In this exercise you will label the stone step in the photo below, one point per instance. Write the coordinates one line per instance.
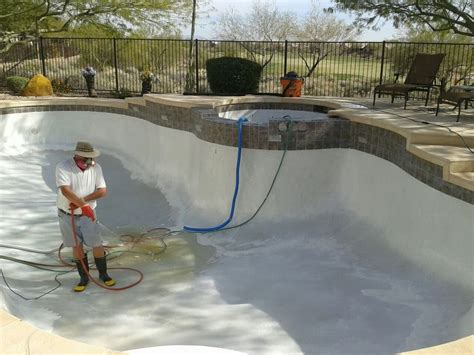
(463, 179)
(456, 159)
(443, 136)
(135, 100)
(457, 162)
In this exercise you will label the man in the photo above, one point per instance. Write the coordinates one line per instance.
(80, 183)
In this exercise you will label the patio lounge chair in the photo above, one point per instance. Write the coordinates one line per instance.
(420, 77)
(456, 96)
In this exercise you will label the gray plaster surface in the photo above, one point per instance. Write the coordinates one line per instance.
(288, 287)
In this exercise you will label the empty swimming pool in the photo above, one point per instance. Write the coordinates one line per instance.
(349, 254)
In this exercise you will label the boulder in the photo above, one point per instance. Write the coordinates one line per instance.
(38, 85)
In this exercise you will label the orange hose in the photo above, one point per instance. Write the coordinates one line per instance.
(76, 242)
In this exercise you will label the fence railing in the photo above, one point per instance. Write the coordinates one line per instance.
(349, 69)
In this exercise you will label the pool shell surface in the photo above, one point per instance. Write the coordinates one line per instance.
(353, 169)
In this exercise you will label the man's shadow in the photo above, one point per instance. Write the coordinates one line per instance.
(128, 202)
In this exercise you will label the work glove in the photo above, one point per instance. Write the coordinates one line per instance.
(86, 210)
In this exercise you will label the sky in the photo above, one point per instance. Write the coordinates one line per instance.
(299, 7)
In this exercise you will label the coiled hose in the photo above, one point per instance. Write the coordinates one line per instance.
(85, 267)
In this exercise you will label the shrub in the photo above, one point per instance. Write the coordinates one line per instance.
(17, 83)
(122, 93)
(61, 86)
(231, 75)
(3, 81)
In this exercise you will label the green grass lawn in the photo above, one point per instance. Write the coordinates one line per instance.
(343, 68)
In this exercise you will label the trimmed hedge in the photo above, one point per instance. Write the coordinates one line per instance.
(231, 75)
(16, 83)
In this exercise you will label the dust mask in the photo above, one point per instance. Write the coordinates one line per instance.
(84, 164)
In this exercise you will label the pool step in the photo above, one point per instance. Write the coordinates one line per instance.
(454, 136)
(465, 179)
(416, 129)
(135, 100)
(457, 162)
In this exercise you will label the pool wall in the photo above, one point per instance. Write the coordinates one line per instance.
(364, 133)
(425, 227)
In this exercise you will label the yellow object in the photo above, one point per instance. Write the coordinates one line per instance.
(79, 288)
(38, 85)
(110, 282)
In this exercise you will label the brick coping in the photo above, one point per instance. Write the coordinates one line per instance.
(433, 154)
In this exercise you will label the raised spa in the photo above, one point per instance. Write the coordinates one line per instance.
(264, 115)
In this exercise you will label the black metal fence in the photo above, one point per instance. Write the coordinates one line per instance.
(347, 69)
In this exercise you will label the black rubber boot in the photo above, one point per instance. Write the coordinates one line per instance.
(81, 286)
(101, 264)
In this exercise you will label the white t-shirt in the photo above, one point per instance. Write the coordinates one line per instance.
(82, 183)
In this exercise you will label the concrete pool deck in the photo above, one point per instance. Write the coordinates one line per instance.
(434, 144)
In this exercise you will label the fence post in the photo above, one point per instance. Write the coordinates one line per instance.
(115, 65)
(285, 65)
(43, 63)
(196, 55)
(381, 66)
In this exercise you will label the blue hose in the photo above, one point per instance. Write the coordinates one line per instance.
(240, 122)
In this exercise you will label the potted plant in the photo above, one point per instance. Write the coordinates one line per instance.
(146, 77)
(89, 74)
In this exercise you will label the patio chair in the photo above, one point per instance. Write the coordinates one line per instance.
(456, 96)
(420, 77)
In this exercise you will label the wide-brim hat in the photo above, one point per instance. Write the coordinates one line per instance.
(86, 150)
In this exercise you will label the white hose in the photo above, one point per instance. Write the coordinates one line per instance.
(30, 250)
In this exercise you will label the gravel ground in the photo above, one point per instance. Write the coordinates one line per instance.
(14, 97)
(5, 96)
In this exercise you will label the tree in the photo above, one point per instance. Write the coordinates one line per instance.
(438, 15)
(264, 22)
(24, 20)
(319, 26)
(189, 75)
(459, 60)
(422, 34)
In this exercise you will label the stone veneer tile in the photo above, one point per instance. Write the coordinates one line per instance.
(274, 145)
(309, 144)
(321, 134)
(263, 137)
(300, 140)
(253, 137)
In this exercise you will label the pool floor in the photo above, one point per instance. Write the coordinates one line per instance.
(286, 287)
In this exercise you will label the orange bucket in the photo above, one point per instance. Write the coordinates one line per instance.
(292, 87)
